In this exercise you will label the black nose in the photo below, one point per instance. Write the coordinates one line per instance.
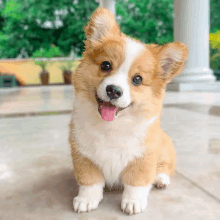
(113, 92)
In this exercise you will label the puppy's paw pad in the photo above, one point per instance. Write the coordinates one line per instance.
(162, 181)
(133, 206)
(81, 204)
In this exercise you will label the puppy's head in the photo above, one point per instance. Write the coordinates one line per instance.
(121, 75)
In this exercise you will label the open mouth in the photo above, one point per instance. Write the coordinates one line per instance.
(107, 110)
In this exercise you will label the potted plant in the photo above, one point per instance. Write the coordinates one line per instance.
(67, 73)
(44, 74)
(43, 55)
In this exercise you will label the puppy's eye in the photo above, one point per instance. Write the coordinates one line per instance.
(137, 80)
(106, 66)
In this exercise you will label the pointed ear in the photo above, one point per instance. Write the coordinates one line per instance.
(101, 24)
(171, 58)
(155, 48)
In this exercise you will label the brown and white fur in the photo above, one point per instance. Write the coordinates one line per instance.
(132, 150)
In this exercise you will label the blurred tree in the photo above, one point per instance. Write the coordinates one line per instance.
(3, 37)
(214, 15)
(35, 24)
(151, 21)
(38, 24)
(215, 37)
(2, 5)
(11, 15)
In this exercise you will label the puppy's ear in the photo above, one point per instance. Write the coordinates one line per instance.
(101, 24)
(155, 48)
(171, 58)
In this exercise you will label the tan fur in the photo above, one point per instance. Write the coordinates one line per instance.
(157, 65)
(85, 172)
(159, 157)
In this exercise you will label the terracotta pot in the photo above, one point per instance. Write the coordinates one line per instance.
(67, 76)
(44, 77)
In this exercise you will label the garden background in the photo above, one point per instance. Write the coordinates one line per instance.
(51, 28)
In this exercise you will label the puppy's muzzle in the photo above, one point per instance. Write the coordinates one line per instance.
(114, 92)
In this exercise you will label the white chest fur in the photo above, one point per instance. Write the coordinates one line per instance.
(109, 145)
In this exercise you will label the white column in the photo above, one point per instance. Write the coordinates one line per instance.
(109, 4)
(191, 26)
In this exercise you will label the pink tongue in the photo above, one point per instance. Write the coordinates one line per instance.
(108, 111)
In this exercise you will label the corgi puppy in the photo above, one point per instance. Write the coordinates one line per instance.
(115, 132)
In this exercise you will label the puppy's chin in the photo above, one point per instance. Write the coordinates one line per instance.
(107, 110)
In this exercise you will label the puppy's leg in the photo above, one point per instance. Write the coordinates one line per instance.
(166, 163)
(89, 178)
(134, 198)
(91, 185)
(88, 197)
(137, 180)
(162, 181)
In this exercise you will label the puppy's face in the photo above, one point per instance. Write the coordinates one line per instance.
(120, 75)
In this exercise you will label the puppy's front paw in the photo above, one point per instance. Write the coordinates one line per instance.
(133, 206)
(134, 199)
(81, 204)
(162, 181)
(88, 198)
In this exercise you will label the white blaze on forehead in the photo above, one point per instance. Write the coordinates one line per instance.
(120, 78)
(132, 50)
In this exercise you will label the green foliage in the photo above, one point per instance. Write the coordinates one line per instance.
(43, 53)
(53, 51)
(3, 38)
(23, 23)
(11, 10)
(68, 65)
(42, 64)
(215, 50)
(214, 15)
(215, 39)
(2, 20)
(148, 20)
(39, 53)
(26, 27)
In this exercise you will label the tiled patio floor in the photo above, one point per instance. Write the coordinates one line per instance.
(36, 177)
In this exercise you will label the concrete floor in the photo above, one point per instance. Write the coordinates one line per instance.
(36, 175)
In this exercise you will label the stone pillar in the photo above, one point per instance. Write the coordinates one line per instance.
(191, 26)
(109, 4)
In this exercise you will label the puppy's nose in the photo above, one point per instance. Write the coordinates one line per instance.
(113, 92)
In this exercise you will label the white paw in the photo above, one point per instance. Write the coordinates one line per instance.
(81, 204)
(162, 181)
(88, 198)
(133, 206)
(134, 199)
